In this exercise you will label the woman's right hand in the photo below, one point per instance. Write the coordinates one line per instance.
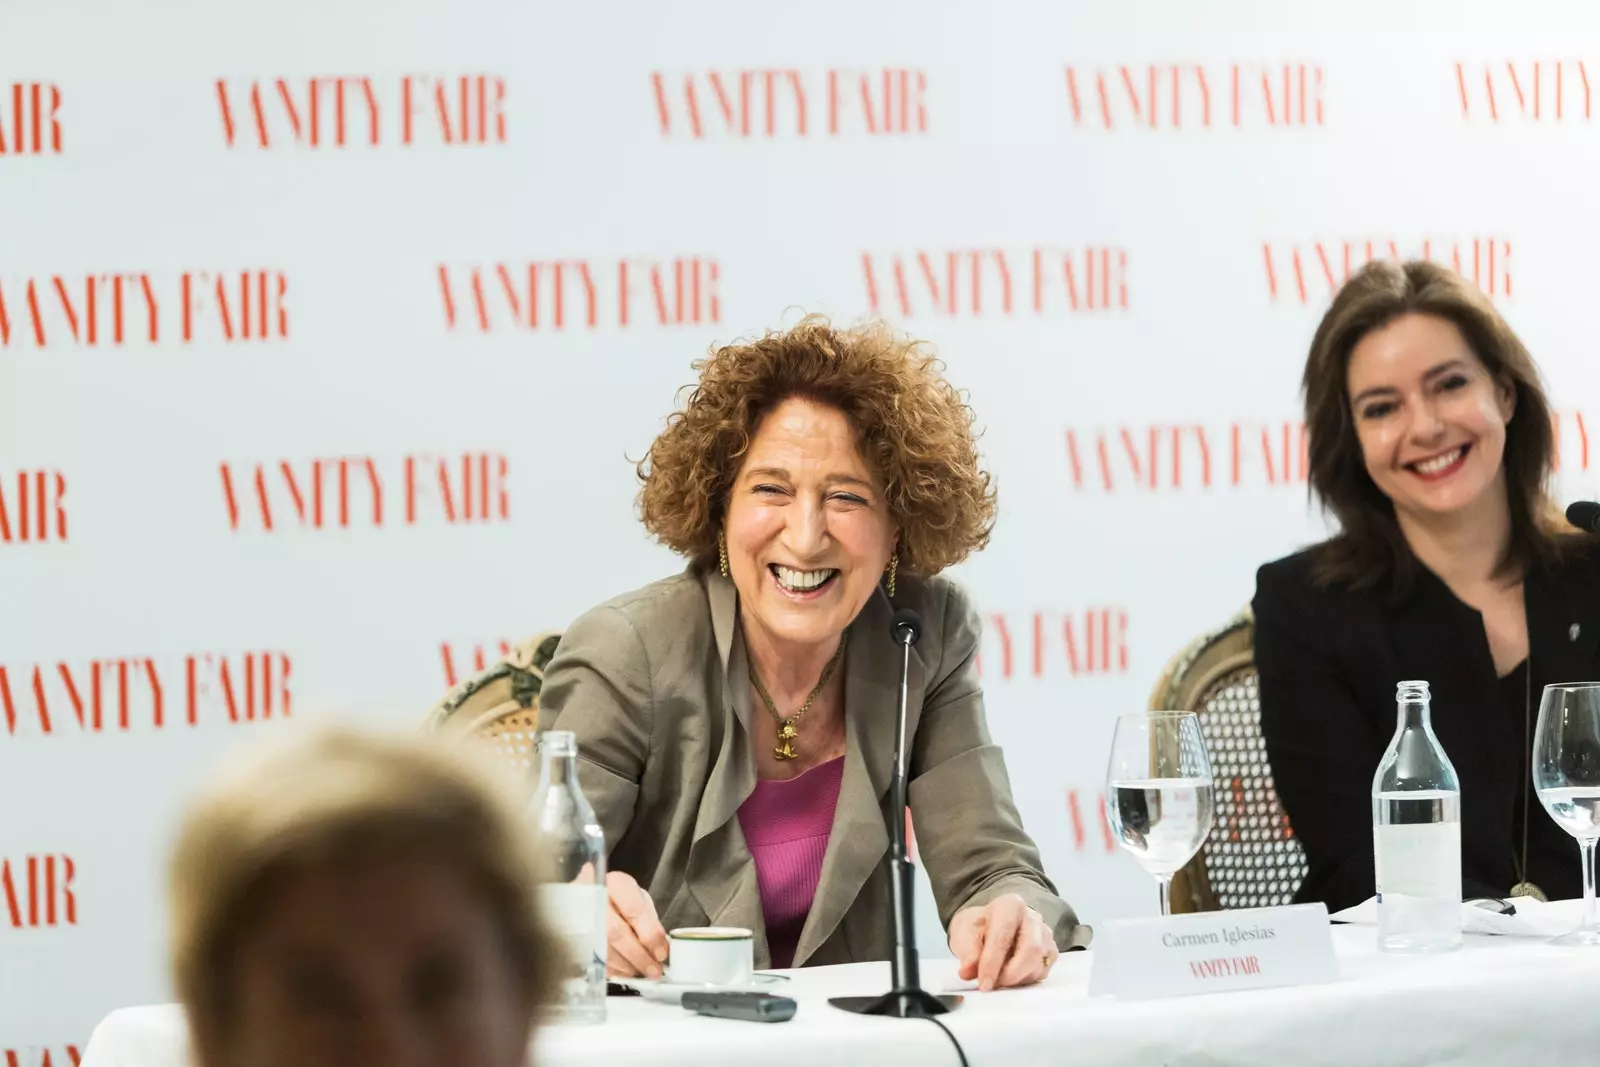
(636, 944)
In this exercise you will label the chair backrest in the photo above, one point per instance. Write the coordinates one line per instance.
(500, 704)
(1252, 858)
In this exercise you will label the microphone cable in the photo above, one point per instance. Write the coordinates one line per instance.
(934, 1019)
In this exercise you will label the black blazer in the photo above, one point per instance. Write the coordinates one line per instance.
(1329, 660)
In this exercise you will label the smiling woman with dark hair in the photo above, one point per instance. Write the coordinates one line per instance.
(1431, 445)
(736, 722)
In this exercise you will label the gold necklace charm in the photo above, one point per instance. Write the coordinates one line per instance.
(787, 734)
(1525, 888)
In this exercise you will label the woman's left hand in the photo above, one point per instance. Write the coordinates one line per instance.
(1002, 943)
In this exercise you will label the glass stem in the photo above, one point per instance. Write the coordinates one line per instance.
(1587, 846)
(1166, 889)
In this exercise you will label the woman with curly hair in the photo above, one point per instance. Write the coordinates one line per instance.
(736, 721)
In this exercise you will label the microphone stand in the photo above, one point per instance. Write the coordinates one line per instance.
(907, 999)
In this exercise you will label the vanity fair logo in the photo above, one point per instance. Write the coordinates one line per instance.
(31, 126)
(43, 1056)
(342, 112)
(32, 507)
(102, 696)
(1086, 642)
(989, 282)
(1192, 96)
(1179, 457)
(1524, 91)
(1571, 440)
(459, 664)
(771, 102)
(565, 294)
(1178, 955)
(1173, 457)
(346, 492)
(1091, 831)
(38, 891)
(1312, 272)
(94, 310)
(1222, 966)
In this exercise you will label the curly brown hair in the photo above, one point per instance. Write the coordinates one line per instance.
(913, 427)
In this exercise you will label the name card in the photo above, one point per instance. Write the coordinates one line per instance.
(1211, 952)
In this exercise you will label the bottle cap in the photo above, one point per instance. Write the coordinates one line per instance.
(558, 743)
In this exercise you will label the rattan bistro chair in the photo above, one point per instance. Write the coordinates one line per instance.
(500, 705)
(1251, 859)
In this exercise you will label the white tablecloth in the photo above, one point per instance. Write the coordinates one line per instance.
(1497, 1002)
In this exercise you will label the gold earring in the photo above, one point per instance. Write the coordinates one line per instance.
(722, 554)
(894, 565)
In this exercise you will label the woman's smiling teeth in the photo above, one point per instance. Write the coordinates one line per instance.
(801, 581)
(1438, 463)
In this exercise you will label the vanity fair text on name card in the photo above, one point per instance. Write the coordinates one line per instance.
(1213, 952)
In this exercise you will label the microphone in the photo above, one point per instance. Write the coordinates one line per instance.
(907, 1000)
(1585, 515)
(906, 626)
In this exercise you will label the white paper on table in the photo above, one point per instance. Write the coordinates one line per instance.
(1534, 918)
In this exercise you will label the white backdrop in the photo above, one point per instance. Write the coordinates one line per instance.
(1119, 224)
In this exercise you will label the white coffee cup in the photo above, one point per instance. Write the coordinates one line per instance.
(710, 955)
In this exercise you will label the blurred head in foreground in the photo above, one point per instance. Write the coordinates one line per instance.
(350, 899)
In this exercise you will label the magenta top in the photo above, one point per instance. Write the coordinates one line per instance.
(786, 826)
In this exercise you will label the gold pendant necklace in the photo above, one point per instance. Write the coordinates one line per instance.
(1525, 888)
(787, 734)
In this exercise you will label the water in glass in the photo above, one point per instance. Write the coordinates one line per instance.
(1159, 792)
(1566, 776)
(1162, 821)
(1575, 808)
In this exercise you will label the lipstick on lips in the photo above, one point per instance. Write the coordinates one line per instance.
(802, 585)
(1443, 465)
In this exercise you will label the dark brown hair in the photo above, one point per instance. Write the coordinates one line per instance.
(1369, 549)
(913, 427)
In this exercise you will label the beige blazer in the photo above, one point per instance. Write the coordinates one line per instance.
(652, 684)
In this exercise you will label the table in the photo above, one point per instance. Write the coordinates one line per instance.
(1497, 1002)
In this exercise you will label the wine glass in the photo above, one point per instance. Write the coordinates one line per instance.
(1159, 792)
(1566, 775)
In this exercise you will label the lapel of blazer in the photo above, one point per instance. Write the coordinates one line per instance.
(859, 840)
(721, 875)
(1438, 639)
(1563, 623)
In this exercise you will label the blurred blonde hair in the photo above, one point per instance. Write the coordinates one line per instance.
(338, 795)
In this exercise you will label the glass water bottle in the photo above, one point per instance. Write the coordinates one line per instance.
(574, 899)
(1416, 834)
